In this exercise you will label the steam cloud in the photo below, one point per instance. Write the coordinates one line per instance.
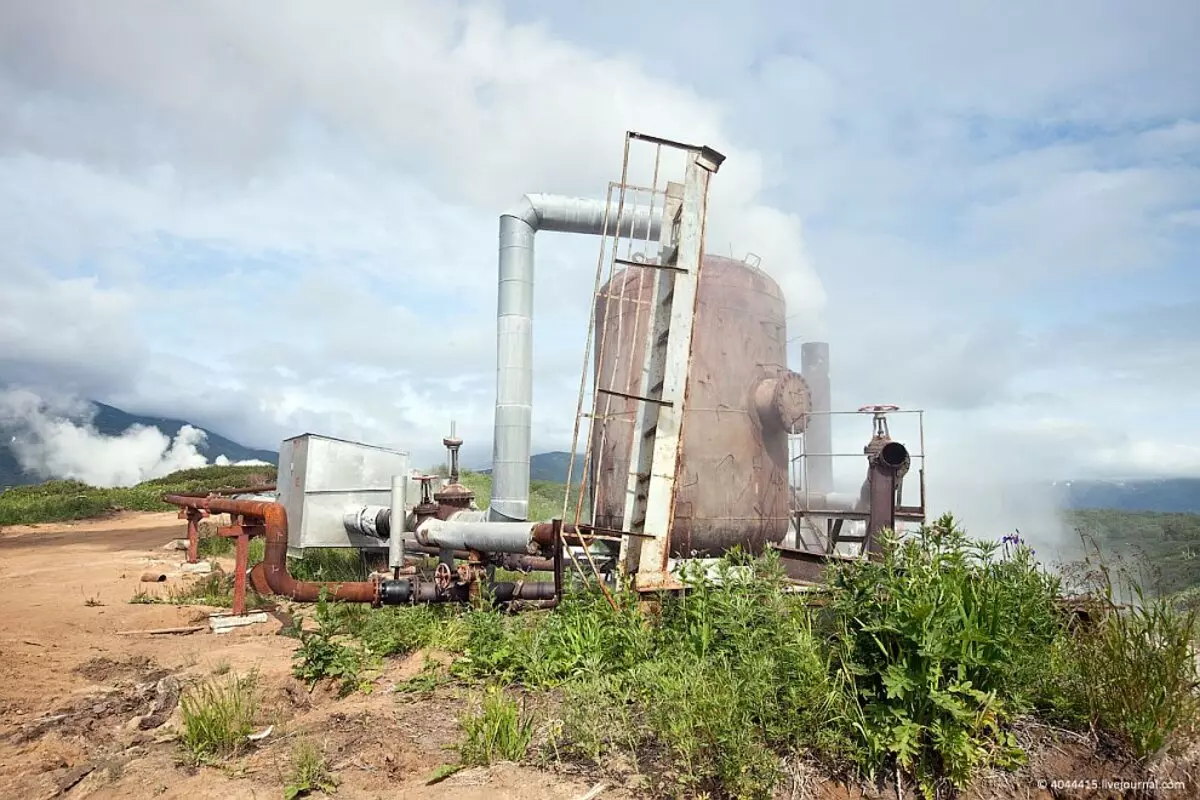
(54, 437)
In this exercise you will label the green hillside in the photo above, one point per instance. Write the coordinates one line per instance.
(59, 501)
(1168, 543)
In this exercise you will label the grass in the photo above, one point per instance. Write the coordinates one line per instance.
(217, 717)
(918, 664)
(61, 501)
(309, 773)
(1133, 672)
(214, 589)
(497, 729)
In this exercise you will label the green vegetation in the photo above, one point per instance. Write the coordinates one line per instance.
(1132, 673)
(545, 498)
(310, 772)
(61, 501)
(1167, 544)
(918, 664)
(351, 641)
(942, 644)
(218, 716)
(214, 589)
(497, 729)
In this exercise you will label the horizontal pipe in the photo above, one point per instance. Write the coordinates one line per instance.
(484, 537)
(831, 501)
(404, 592)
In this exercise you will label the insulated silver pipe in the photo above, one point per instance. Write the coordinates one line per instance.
(485, 537)
(818, 434)
(514, 326)
(396, 539)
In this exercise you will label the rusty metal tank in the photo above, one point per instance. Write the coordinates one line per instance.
(741, 402)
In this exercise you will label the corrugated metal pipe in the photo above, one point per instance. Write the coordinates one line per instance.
(514, 326)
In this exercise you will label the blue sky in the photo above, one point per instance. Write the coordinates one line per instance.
(274, 217)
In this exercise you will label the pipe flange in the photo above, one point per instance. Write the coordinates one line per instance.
(454, 494)
(793, 401)
(784, 401)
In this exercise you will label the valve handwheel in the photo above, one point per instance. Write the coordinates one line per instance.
(442, 576)
(881, 408)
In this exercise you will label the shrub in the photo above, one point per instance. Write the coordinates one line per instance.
(941, 643)
(727, 679)
(218, 716)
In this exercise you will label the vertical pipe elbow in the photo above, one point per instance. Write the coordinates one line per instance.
(514, 324)
(274, 570)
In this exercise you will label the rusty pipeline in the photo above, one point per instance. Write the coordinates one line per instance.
(886, 463)
(274, 570)
(272, 576)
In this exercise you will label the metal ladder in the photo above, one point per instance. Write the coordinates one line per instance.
(659, 401)
(658, 424)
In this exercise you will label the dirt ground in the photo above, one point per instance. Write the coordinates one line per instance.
(89, 711)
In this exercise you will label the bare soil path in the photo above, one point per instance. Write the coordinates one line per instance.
(87, 712)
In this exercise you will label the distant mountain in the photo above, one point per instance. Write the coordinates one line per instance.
(1168, 495)
(550, 467)
(111, 421)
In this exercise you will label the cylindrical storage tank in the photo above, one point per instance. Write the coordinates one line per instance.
(741, 401)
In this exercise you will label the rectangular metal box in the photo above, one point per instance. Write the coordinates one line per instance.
(321, 478)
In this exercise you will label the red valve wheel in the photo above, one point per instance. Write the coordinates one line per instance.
(442, 577)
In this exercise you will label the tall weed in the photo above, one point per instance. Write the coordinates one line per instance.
(941, 643)
(1133, 671)
(218, 715)
(498, 730)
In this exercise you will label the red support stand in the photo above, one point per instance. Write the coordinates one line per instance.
(241, 531)
(241, 561)
(193, 516)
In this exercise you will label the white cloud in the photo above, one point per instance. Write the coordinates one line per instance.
(56, 439)
(271, 218)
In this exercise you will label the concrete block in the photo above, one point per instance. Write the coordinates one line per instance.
(224, 623)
